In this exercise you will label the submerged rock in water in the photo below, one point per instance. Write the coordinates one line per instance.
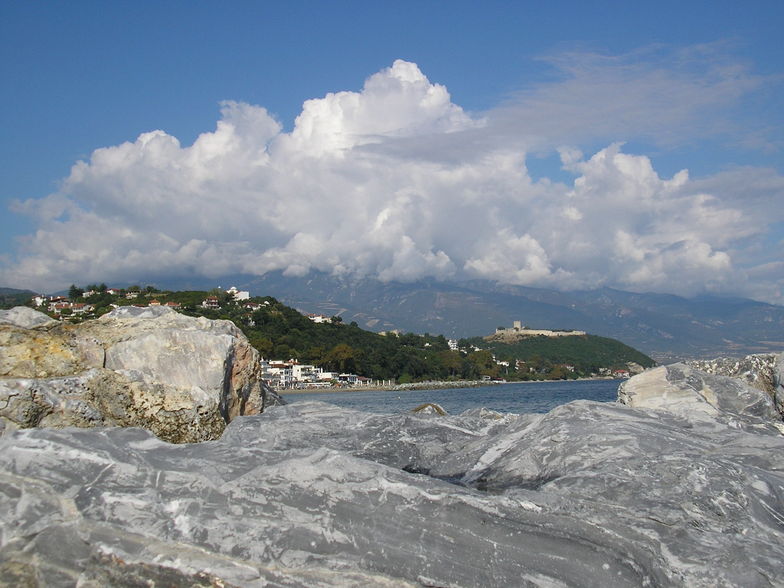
(309, 494)
(183, 378)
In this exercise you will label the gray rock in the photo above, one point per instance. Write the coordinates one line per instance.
(762, 370)
(756, 370)
(590, 494)
(180, 377)
(778, 383)
(695, 395)
(26, 318)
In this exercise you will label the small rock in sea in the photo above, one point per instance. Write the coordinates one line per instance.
(429, 408)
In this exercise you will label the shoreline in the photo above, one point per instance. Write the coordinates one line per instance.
(431, 385)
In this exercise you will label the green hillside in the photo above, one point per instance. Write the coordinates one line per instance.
(281, 332)
(586, 354)
(10, 297)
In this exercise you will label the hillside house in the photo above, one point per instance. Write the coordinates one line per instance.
(211, 302)
(238, 294)
(319, 318)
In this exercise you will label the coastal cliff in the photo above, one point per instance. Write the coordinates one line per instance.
(680, 486)
(182, 378)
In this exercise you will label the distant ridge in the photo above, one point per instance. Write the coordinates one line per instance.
(13, 297)
(664, 326)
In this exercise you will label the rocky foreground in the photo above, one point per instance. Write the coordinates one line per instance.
(682, 484)
(183, 378)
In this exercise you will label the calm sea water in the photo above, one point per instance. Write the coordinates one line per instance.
(518, 398)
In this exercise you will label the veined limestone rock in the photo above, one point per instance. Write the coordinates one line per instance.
(308, 494)
(764, 371)
(183, 378)
(691, 393)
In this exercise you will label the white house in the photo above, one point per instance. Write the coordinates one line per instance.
(319, 318)
(238, 294)
(277, 373)
(211, 302)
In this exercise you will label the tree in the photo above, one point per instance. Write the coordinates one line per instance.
(341, 358)
(482, 361)
(451, 362)
(263, 345)
(74, 292)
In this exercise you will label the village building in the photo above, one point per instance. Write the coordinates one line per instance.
(211, 302)
(238, 294)
(319, 318)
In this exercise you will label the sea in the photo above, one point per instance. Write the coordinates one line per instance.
(518, 398)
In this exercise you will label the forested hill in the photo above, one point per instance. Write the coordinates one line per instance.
(585, 353)
(281, 332)
(10, 297)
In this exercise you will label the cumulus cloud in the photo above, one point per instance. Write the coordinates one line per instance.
(398, 182)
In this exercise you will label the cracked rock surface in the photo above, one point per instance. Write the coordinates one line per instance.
(182, 378)
(309, 494)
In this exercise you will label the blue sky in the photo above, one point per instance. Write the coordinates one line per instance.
(509, 115)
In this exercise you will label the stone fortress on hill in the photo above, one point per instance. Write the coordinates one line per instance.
(519, 331)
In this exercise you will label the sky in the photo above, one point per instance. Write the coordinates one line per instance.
(568, 145)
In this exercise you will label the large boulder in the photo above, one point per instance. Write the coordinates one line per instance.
(761, 370)
(693, 394)
(308, 494)
(183, 378)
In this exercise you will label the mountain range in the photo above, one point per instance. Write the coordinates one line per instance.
(665, 327)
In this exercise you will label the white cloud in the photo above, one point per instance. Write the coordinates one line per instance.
(398, 182)
(668, 96)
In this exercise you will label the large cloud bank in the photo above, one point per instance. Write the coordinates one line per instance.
(398, 182)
